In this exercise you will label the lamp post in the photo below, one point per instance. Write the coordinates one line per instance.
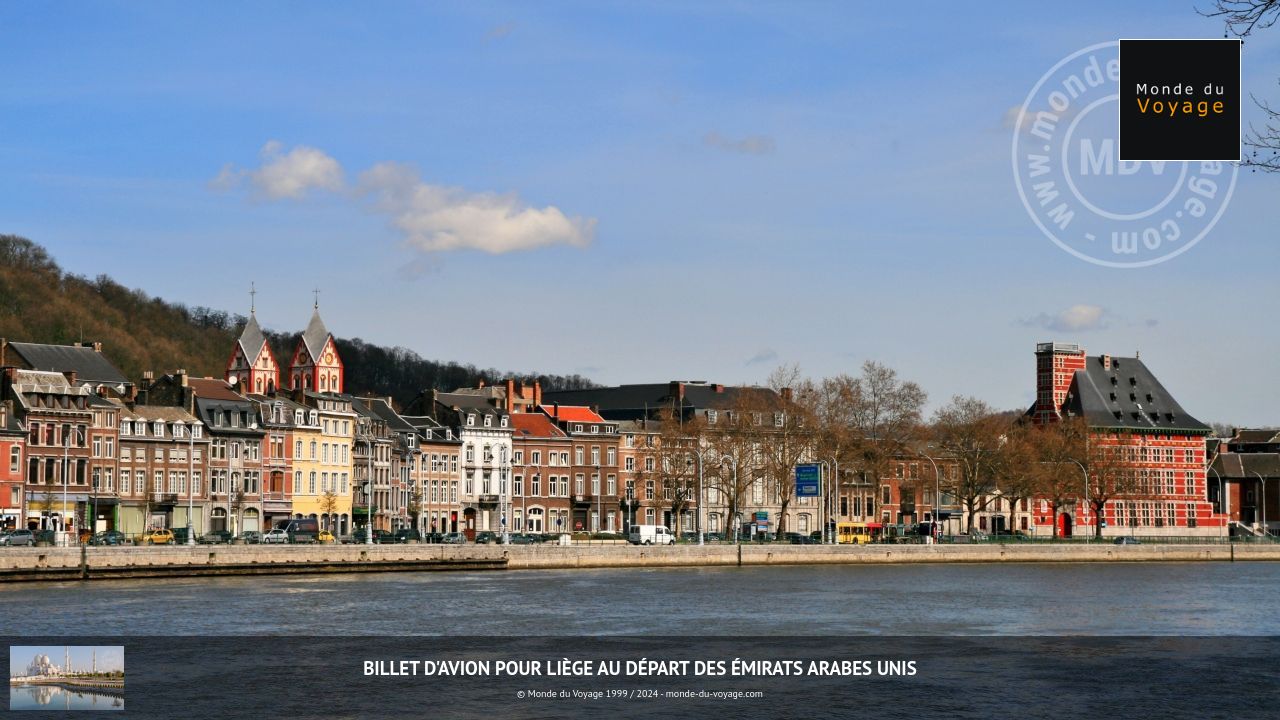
(191, 479)
(1084, 470)
(367, 486)
(1222, 497)
(936, 531)
(66, 467)
(701, 526)
(1263, 482)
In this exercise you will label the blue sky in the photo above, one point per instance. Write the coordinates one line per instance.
(110, 657)
(678, 190)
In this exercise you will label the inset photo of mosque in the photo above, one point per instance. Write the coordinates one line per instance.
(66, 677)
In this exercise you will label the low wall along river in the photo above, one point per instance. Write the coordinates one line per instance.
(117, 562)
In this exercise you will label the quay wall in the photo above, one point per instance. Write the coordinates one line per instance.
(122, 562)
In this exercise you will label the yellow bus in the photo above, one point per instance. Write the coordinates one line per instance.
(859, 533)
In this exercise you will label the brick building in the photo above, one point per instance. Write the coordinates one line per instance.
(540, 453)
(1162, 447)
(163, 465)
(12, 442)
(594, 493)
(1244, 480)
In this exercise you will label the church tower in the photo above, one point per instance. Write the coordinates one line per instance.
(316, 365)
(253, 367)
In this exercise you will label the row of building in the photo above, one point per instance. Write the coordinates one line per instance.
(85, 448)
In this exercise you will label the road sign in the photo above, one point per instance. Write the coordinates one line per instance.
(808, 480)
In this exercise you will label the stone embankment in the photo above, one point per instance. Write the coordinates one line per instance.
(96, 563)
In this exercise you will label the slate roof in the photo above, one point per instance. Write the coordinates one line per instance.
(377, 407)
(1244, 465)
(1126, 396)
(214, 389)
(89, 365)
(473, 403)
(627, 402)
(315, 336)
(1260, 437)
(252, 338)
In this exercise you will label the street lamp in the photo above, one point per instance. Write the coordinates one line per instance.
(1263, 482)
(368, 515)
(1222, 497)
(66, 447)
(937, 497)
(191, 479)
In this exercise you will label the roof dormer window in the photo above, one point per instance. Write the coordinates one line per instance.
(488, 420)
(471, 419)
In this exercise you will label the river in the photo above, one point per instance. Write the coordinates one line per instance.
(994, 599)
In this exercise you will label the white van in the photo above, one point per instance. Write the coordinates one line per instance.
(651, 535)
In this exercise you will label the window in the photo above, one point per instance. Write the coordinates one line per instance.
(629, 463)
(611, 456)
(579, 484)
(535, 485)
(311, 484)
(15, 460)
(488, 420)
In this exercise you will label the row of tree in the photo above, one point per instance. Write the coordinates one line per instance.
(866, 425)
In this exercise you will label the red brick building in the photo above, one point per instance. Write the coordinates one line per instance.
(1159, 443)
(594, 491)
(540, 453)
(12, 442)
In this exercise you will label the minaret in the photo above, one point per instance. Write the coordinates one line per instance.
(95, 661)
(66, 660)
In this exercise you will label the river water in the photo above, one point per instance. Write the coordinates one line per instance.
(54, 697)
(994, 599)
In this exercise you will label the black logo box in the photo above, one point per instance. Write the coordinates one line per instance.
(1185, 67)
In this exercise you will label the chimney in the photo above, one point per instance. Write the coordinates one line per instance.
(718, 388)
(1106, 362)
(555, 411)
(481, 383)
(537, 392)
(71, 376)
(676, 390)
(786, 394)
(182, 377)
(97, 347)
(511, 394)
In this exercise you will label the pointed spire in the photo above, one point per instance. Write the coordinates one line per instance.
(253, 292)
(316, 335)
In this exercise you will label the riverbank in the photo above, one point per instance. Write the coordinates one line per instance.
(36, 564)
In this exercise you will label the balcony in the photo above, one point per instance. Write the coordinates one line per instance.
(487, 499)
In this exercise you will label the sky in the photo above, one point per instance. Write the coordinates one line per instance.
(637, 192)
(110, 657)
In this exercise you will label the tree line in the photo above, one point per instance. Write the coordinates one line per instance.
(41, 303)
(867, 425)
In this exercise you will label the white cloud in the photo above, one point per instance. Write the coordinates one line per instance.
(435, 218)
(285, 175)
(1077, 318)
(432, 218)
(749, 145)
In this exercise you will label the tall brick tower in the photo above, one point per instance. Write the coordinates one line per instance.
(1056, 365)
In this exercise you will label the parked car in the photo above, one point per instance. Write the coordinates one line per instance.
(799, 539)
(651, 535)
(525, 539)
(18, 537)
(379, 536)
(108, 537)
(487, 537)
(250, 537)
(453, 539)
(325, 537)
(217, 537)
(161, 536)
(433, 538)
(278, 536)
(1128, 540)
(405, 535)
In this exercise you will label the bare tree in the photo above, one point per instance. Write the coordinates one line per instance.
(1111, 475)
(884, 415)
(328, 504)
(786, 435)
(1241, 18)
(1015, 471)
(971, 434)
(734, 457)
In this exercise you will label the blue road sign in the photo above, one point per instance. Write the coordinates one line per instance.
(808, 480)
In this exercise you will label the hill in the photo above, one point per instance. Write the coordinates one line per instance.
(41, 303)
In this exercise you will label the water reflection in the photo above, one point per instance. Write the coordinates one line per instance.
(58, 697)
